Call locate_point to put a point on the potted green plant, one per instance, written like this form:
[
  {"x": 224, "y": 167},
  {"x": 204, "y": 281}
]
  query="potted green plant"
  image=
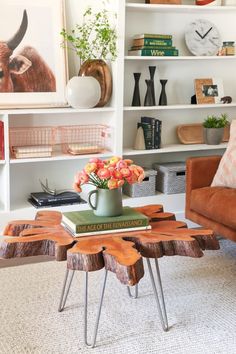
[
  {"x": 213, "y": 128},
  {"x": 95, "y": 42}
]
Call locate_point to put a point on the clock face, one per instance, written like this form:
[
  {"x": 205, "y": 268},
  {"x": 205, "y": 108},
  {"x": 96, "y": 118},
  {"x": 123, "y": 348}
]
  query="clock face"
[{"x": 202, "y": 38}]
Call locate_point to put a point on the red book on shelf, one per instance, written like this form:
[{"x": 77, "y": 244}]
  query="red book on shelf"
[{"x": 1, "y": 140}]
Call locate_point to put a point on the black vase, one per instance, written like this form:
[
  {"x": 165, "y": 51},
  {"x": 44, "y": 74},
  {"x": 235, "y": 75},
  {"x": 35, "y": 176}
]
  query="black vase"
[
  {"x": 163, "y": 98},
  {"x": 148, "y": 100},
  {"x": 136, "y": 95},
  {"x": 152, "y": 70}
]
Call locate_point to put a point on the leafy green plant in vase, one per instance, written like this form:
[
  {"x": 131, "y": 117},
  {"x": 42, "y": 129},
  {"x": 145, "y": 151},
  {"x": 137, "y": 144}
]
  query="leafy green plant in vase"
[
  {"x": 213, "y": 129},
  {"x": 95, "y": 42}
]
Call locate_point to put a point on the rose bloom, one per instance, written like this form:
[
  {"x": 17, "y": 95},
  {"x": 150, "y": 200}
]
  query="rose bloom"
[
  {"x": 81, "y": 177},
  {"x": 90, "y": 167},
  {"x": 126, "y": 172},
  {"x": 114, "y": 183},
  {"x": 113, "y": 161},
  {"x": 104, "y": 173}
]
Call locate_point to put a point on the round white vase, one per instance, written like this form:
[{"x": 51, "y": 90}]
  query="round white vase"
[{"x": 83, "y": 92}]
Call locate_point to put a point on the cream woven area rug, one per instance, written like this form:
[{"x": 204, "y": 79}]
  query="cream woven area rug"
[{"x": 200, "y": 300}]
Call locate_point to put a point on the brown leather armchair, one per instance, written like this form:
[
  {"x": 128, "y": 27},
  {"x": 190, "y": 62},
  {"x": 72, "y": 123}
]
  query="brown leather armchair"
[{"x": 210, "y": 207}]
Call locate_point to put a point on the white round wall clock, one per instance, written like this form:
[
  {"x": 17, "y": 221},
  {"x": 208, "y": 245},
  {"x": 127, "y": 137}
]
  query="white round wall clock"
[{"x": 202, "y": 38}]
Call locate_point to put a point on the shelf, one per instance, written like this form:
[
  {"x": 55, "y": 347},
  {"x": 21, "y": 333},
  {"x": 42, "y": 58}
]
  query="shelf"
[
  {"x": 133, "y": 7},
  {"x": 61, "y": 110},
  {"x": 178, "y": 106},
  {"x": 190, "y": 57},
  {"x": 60, "y": 158},
  {"x": 174, "y": 148}
]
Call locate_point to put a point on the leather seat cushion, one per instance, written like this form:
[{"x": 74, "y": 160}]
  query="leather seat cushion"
[{"x": 215, "y": 203}]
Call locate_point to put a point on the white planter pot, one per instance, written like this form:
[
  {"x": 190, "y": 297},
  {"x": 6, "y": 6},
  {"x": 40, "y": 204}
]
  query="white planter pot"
[{"x": 83, "y": 92}]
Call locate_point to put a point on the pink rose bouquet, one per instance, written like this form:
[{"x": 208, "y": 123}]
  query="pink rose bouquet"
[{"x": 108, "y": 174}]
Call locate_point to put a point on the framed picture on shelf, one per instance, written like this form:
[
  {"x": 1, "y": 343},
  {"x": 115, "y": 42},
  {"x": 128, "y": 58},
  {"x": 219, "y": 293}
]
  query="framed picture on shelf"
[
  {"x": 208, "y": 91},
  {"x": 33, "y": 63}
]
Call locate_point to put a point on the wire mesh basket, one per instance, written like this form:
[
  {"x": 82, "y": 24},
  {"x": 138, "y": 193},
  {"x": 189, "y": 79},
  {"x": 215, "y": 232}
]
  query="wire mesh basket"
[
  {"x": 85, "y": 139},
  {"x": 31, "y": 142}
]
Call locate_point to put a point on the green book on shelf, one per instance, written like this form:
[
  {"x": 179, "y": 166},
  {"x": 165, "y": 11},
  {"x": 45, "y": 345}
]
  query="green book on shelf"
[
  {"x": 85, "y": 222},
  {"x": 155, "y": 52},
  {"x": 151, "y": 42},
  {"x": 152, "y": 48},
  {"x": 153, "y": 35}
]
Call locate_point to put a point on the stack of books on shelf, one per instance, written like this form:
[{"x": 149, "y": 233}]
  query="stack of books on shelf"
[
  {"x": 151, "y": 131},
  {"x": 153, "y": 45},
  {"x": 1, "y": 140},
  {"x": 85, "y": 223},
  {"x": 42, "y": 199}
]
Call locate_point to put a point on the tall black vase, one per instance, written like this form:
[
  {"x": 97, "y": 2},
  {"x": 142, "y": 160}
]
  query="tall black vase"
[
  {"x": 152, "y": 70},
  {"x": 148, "y": 100},
  {"x": 136, "y": 95},
  {"x": 163, "y": 98}
]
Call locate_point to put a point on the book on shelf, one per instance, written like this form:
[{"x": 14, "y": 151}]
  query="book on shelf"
[
  {"x": 154, "y": 52},
  {"x": 46, "y": 199},
  {"x": 147, "y": 133},
  {"x": 85, "y": 221},
  {"x": 152, "y": 35},
  {"x": 153, "y": 138},
  {"x": 151, "y": 122},
  {"x": 158, "y": 126},
  {"x": 152, "y": 48},
  {"x": 1, "y": 140},
  {"x": 152, "y": 42}
]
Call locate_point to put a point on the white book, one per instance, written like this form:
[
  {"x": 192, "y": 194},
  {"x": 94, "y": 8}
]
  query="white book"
[{"x": 114, "y": 231}]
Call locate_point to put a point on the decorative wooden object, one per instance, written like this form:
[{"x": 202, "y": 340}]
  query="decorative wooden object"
[
  {"x": 42, "y": 236},
  {"x": 120, "y": 253},
  {"x": 100, "y": 70},
  {"x": 193, "y": 133}
]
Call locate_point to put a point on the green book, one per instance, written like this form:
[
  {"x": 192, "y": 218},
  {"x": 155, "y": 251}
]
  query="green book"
[
  {"x": 153, "y": 35},
  {"x": 155, "y": 52},
  {"x": 150, "y": 42},
  {"x": 85, "y": 222},
  {"x": 153, "y": 48},
  {"x": 147, "y": 133}
]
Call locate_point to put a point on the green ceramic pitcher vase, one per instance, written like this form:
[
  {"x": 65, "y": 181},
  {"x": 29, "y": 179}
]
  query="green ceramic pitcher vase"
[{"x": 106, "y": 202}]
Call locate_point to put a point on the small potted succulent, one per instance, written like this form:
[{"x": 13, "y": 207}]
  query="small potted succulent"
[
  {"x": 94, "y": 42},
  {"x": 213, "y": 128}
]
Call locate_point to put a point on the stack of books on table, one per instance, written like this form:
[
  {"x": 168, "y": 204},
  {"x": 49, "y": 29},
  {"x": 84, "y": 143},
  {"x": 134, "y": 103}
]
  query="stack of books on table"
[
  {"x": 151, "y": 44},
  {"x": 42, "y": 199},
  {"x": 85, "y": 223},
  {"x": 151, "y": 132}
]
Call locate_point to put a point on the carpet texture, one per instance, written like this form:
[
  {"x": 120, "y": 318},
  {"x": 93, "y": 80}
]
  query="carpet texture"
[{"x": 200, "y": 300}]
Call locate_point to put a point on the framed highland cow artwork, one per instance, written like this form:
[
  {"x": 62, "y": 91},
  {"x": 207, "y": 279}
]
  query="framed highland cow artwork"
[{"x": 33, "y": 65}]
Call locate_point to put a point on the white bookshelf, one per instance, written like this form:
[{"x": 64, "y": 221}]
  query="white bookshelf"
[{"x": 19, "y": 177}]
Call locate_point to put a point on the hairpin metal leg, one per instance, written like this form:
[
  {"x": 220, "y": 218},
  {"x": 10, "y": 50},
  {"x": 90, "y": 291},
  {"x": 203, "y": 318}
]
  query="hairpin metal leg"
[
  {"x": 92, "y": 345},
  {"x": 161, "y": 310},
  {"x": 135, "y": 296},
  {"x": 63, "y": 294}
]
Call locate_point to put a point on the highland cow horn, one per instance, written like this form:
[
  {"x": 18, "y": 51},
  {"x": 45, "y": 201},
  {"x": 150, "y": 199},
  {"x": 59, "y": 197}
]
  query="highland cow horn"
[{"x": 17, "y": 38}]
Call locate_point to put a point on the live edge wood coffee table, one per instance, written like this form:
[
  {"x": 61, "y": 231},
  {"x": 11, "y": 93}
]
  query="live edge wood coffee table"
[{"x": 120, "y": 253}]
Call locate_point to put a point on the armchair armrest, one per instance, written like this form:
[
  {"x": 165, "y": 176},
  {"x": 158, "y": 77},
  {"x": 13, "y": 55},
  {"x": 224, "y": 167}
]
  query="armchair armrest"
[{"x": 199, "y": 173}]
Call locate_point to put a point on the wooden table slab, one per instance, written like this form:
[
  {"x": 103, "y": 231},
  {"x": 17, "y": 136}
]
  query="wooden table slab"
[{"x": 120, "y": 253}]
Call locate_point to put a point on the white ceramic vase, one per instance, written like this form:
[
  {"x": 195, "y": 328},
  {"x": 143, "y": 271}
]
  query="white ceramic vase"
[{"x": 83, "y": 92}]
